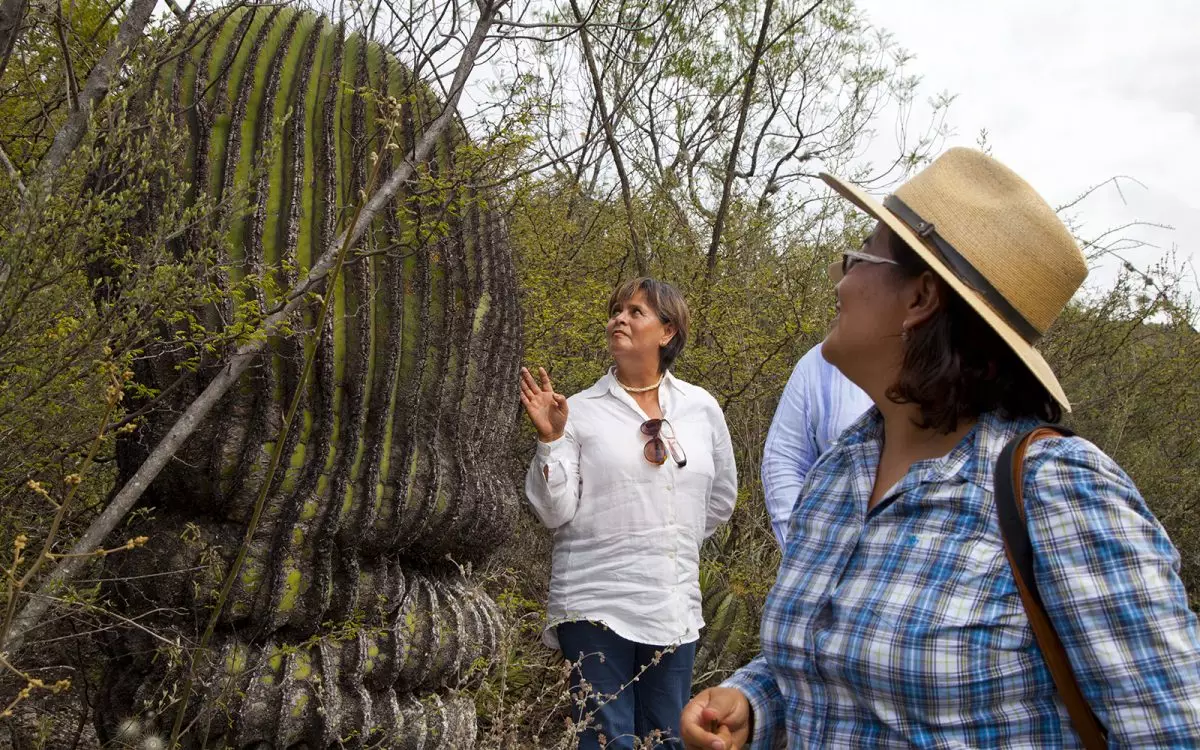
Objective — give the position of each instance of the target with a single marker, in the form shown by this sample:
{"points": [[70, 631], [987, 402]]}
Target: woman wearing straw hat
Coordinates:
{"points": [[632, 474], [896, 619]]}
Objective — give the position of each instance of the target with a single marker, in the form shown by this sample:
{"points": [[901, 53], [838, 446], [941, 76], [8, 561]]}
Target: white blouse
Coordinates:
{"points": [[627, 532]]}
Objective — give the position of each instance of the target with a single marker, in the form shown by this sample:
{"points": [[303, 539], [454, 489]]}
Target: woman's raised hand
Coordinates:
{"points": [[546, 409]]}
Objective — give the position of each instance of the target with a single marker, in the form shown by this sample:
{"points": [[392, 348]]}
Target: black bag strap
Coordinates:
{"points": [[1010, 507]]}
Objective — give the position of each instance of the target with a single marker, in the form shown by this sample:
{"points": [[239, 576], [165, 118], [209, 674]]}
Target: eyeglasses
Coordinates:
{"points": [[662, 440], [851, 258]]}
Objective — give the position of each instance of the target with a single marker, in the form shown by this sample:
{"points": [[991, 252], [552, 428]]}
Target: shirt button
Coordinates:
{"points": [[670, 487]]}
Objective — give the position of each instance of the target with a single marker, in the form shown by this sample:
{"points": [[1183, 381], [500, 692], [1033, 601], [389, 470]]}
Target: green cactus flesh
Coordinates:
{"points": [[395, 457], [730, 636]]}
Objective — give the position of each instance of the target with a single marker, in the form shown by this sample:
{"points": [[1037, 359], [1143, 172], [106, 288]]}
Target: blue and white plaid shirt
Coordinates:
{"points": [[903, 626]]}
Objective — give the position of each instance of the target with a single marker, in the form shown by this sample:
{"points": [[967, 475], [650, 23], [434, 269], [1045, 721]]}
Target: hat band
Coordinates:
{"points": [[963, 269]]}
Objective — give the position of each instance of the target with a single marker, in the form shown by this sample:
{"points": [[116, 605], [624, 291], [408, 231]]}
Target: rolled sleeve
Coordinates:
{"points": [[552, 482], [756, 682], [1109, 578]]}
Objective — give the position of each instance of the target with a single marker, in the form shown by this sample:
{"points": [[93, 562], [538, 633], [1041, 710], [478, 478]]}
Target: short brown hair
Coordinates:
{"points": [[668, 302], [957, 368]]}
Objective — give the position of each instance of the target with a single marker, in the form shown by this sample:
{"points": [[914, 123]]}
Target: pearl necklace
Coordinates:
{"points": [[643, 389]]}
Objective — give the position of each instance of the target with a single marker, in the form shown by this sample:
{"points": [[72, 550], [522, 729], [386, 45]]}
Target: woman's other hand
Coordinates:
{"points": [[546, 409], [716, 719]]}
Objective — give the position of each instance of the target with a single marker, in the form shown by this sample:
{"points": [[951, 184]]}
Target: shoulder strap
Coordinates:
{"points": [[1010, 505]]}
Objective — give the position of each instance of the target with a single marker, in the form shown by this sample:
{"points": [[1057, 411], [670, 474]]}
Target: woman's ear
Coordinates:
{"points": [[668, 334], [925, 299]]}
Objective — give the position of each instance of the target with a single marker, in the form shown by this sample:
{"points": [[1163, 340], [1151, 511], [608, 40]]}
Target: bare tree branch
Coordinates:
{"points": [[731, 163], [71, 134], [179, 12], [13, 174], [1115, 181], [639, 257], [72, 81]]}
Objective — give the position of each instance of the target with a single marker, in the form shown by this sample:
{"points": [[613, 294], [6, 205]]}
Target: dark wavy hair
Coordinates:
{"points": [[670, 305], [957, 368]]}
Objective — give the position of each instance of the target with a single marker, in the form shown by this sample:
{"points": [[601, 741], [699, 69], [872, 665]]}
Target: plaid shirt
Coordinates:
{"points": [[903, 626]]}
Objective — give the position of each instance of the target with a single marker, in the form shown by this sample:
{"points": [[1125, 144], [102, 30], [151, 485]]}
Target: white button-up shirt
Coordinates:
{"points": [[627, 532]]}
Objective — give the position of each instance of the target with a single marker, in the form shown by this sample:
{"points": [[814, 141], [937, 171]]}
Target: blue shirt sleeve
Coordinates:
{"points": [[756, 682], [1109, 578], [790, 449]]}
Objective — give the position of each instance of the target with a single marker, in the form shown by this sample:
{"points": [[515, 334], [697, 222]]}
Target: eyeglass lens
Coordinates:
{"points": [[656, 449]]}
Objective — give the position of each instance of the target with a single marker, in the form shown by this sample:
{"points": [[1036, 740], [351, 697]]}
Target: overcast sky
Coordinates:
{"points": [[1073, 93]]}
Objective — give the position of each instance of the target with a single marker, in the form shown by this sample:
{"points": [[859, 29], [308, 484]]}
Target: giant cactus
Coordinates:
{"points": [[730, 636], [346, 625]]}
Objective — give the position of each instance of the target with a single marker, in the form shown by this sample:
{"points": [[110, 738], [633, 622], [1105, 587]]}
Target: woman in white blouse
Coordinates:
{"points": [[632, 475]]}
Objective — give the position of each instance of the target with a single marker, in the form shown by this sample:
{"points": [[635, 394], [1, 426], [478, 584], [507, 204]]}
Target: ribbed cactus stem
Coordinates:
{"points": [[394, 459]]}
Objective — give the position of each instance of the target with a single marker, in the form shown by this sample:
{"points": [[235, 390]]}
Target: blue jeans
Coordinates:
{"points": [[622, 709]]}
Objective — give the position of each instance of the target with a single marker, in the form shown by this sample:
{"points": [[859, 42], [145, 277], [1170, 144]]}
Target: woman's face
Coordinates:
{"points": [[873, 302], [635, 332]]}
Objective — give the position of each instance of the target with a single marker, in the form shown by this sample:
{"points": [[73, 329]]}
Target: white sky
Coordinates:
{"points": [[1072, 93]]}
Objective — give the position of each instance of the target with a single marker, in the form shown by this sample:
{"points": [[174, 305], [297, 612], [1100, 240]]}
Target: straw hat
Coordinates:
{"points": [[993, 239]]}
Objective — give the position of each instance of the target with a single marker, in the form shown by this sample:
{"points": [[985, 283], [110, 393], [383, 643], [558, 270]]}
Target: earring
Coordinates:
{"points": [[904, 335]]}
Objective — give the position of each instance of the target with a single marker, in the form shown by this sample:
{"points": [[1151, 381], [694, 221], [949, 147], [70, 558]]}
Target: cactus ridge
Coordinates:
{"points": [[421, 654], [729, 638], [396, 456]]}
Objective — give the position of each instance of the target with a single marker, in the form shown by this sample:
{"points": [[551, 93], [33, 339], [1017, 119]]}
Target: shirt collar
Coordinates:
{"points": [[607, 384], [992, 432], [972, 460]]}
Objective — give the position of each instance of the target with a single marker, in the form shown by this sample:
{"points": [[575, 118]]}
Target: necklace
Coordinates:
{"points": [[643, 389]]}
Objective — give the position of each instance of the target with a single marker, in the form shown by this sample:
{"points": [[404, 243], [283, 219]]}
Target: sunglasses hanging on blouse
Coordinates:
{"points": [[662, 442]]}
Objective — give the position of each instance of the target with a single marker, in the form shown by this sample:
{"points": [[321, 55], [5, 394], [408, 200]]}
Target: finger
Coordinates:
{"points": [[695, 727], [725, 738], [546, 384], [705, 740], [714, 718], [530, 409], [560, 401], [717, 711], [690, 720], [526, 390], [527, 379], [531, 387]]}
